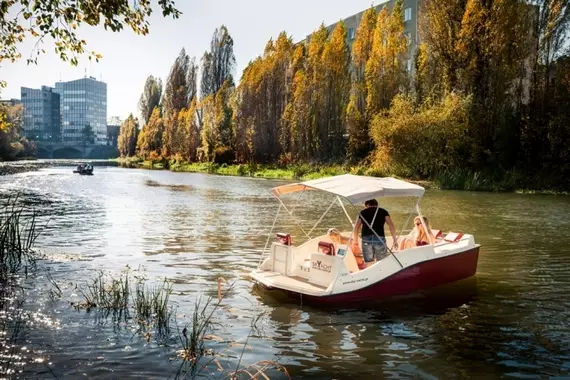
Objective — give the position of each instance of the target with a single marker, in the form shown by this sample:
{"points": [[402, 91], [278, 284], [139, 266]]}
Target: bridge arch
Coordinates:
{"points": [[43, 151], [67, 152]]}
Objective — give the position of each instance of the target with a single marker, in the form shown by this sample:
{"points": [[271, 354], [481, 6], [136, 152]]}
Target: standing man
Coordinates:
{"points": [[372, 220]]}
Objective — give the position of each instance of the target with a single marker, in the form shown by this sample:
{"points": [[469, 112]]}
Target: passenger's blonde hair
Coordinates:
{"points": [[334, 234], [425, 219], [426, 232]]}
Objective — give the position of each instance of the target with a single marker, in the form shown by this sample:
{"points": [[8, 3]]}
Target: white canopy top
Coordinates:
{"points": [[356, 189]]}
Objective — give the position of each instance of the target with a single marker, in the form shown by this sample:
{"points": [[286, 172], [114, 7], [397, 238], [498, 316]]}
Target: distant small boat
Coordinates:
{"points": [[84, 169]]}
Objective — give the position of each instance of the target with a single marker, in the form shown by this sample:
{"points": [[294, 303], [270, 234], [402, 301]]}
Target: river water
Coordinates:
{"points": [[511, 320]]}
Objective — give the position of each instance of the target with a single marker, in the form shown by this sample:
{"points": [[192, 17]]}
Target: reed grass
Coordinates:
{"points": [[151, 305], [197, 332], [107, 293], [128, 295], [18, 233]]}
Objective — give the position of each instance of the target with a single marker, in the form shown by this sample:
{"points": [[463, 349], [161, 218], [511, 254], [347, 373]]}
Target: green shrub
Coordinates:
{"points": [[421, 141]]}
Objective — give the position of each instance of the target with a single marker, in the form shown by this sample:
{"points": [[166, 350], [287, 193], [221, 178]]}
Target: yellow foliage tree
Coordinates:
{"points": [[150, 138], [359, 143]]}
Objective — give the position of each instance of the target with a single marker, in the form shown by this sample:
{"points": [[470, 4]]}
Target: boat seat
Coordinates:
{"points": [[326, 248], [284, 238], [453, 237], [437, 233]]}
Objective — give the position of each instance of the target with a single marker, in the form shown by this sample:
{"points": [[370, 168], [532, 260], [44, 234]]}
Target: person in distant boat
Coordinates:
{"points": [[371, 220], [419, 236]]}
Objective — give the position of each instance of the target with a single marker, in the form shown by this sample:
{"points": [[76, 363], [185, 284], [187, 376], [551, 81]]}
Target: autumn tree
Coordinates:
{"points": [[357, 121], [150, 137], [335, 89], [179, 92], [376, 68], [13, 145], [188, 123], [259, 103], [217, 64], [440, 25], [296, 114], [385, 70], [276, 87], [217, 131], [551, 22], [150, 98], [128, 135], [180, 87], [249, 131]]}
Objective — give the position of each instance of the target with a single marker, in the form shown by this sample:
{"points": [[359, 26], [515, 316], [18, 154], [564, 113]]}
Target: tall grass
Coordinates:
{"points": [[18, 232], [126, 296], [151, 305], [109, 295], [197, 332]]}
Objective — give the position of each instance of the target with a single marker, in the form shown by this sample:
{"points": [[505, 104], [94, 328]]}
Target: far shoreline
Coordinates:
{"points": [[300, 172]]}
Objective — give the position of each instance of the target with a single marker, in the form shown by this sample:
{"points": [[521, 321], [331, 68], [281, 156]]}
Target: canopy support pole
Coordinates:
{"points": [[321, 218], [345, 212], [406, 223], [292, 217], [270, 233]]}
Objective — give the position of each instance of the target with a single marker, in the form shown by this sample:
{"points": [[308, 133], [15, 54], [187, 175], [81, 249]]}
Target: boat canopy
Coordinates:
{"points": [[356, 189]]}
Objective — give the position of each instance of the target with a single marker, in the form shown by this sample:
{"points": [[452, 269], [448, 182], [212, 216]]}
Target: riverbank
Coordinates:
{"points": [[293, 172], [509, 182], [16, 167]]}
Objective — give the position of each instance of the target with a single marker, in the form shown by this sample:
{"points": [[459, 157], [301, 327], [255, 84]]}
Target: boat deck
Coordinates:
{"points": [[295, 284]]}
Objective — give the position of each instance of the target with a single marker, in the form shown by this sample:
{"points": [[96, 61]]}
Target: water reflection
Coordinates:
{"points": [[512, 319]]}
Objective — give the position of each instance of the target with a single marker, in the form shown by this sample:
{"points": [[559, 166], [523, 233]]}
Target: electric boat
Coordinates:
{"points": [[323, 271]]}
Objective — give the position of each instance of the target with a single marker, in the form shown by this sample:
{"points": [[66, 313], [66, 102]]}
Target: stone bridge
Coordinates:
{"points": [[47, 149]]}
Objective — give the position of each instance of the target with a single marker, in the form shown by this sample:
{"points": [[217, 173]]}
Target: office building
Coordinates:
{"points": [[42, 120], [83, 102]]}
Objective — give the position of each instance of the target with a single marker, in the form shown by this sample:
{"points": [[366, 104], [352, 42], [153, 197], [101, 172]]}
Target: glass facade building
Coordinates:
{"points": [[42, 119], [83, 102]]}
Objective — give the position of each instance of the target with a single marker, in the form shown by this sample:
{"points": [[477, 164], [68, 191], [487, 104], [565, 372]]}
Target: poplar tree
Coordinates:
{"points": [[180, 89], [336, 61], [150, 98], [357, 121], [128, 135], [218, 64], [150, 137]]}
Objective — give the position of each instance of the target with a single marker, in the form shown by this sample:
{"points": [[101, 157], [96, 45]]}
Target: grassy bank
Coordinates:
{"points": [[295, 171], [453, 179]]}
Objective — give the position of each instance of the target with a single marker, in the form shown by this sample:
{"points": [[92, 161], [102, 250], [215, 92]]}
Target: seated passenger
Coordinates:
{"points": [[337, 238], [418, 236]]}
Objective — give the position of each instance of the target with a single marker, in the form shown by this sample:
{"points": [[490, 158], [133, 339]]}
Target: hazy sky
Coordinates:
{"points": [[128, 59]]}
